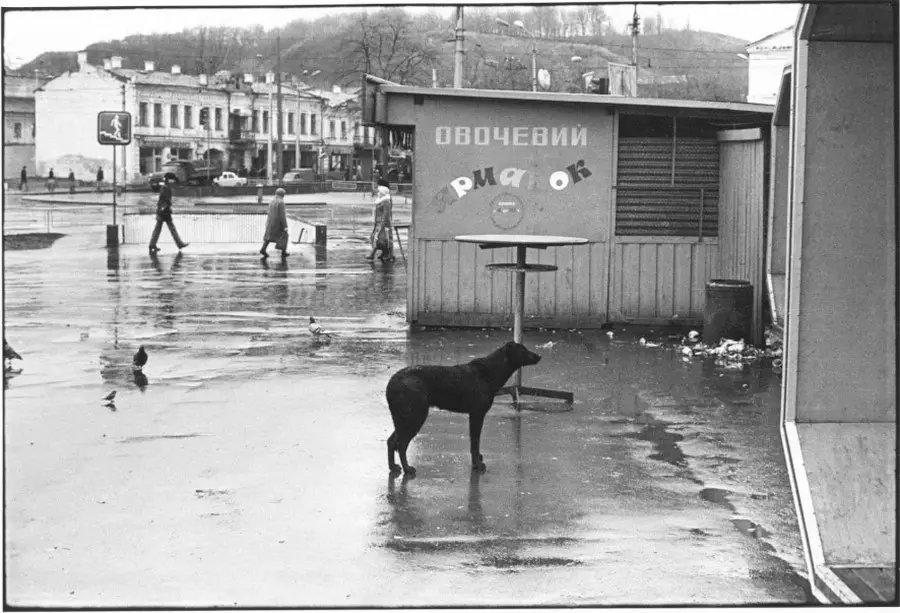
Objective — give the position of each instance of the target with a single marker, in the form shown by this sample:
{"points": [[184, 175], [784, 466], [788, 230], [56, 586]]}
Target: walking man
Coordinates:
{"points": [[51, 181], [99, 177], [23, 179], [164, 215], [71, 181]]}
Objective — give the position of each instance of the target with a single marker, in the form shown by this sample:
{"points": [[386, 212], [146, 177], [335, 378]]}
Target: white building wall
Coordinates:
{"points": [[765, 70], [66, 114]]}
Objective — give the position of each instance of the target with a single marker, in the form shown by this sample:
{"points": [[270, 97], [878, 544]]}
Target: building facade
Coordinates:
{"points": [[767, 58], [166, 112], [18, 124], [347, 142]]}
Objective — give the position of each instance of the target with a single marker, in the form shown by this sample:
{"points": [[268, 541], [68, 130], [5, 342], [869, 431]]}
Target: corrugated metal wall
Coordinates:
{"points": [[659, 196], [741, 217], [453, 287]]}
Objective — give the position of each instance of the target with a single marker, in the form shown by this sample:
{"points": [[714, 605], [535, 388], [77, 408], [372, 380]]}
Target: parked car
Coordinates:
{"points": [[229, 179], [299, 175]]}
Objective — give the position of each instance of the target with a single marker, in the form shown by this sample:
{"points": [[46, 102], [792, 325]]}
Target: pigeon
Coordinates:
{"points": [[110, 396], [316, 329], [140, 358], [9, 353]]}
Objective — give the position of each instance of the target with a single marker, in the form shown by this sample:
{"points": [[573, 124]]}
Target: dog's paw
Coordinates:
{"points": [[395, 470], [409, 471]]}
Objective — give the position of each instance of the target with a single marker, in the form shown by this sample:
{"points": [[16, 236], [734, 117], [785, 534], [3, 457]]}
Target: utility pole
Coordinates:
{"points": [[278, 96], [458, 58], [635, 28]]}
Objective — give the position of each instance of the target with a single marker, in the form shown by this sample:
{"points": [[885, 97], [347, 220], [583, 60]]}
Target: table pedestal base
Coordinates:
{"points": [[516, 391]]}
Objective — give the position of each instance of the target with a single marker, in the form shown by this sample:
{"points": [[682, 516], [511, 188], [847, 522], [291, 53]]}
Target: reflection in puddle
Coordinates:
{"points": [[664, 442]]}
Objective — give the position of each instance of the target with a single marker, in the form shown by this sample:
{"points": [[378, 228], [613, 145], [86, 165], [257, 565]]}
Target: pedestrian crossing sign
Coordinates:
{"points": [[113, 128]]}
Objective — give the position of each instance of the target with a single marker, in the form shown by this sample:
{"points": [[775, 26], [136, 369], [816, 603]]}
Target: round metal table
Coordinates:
{"points": [[522, 242]]}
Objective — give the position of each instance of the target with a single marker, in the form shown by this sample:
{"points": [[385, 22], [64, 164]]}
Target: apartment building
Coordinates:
{"points": [[19, 124], [166, 114]]}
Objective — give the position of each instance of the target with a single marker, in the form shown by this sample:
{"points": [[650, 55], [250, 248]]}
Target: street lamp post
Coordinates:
{"points": [[519, 24]]}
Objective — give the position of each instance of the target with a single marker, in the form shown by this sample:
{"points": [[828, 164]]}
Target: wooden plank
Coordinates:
{"points": [[601, 291], [422, 254], [432, 276], [467, 275], [698, 279], [450, 277], [631, 280], [647, 306], [484, 286], [502, 283], [565, 290], [581, 280], [681, 278], [547, 284], [739, 135], [665, 275]]}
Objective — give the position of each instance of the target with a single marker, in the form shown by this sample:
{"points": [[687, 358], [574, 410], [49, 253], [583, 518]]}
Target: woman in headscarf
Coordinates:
{"points": [[276, 226], [381, 238]]}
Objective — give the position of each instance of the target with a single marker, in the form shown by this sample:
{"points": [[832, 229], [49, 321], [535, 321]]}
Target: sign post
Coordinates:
{"points": [[113, 128]]}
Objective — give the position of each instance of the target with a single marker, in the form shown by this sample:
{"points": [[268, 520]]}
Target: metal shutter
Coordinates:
{"points": [[647, 201]]}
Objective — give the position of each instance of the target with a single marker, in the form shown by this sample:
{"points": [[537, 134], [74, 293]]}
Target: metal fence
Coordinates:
{"points": [[212, 227]]}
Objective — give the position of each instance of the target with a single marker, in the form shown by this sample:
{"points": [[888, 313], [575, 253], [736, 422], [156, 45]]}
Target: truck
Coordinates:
{"points": [[200, 172]]}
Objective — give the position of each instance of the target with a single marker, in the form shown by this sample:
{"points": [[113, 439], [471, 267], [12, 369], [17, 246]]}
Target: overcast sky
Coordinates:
{"points": [[28, 33]]}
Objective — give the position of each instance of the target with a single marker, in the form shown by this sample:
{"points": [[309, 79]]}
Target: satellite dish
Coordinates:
{"points": [[544, 78]]}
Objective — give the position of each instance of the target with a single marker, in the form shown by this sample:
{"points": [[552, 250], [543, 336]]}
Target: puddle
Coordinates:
{"points": [[664, 442], [717, 496], [514, 561], [154, 437], [745, 526]]}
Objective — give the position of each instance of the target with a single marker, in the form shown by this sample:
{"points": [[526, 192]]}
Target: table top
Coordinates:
{"points": [[527, 240]]}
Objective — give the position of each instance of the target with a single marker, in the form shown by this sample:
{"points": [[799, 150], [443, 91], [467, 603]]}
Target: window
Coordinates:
{"points": [[343, 130], [218, 118], [142, 115], [17, 130], [188, 117], [157, 115], [302, 123], [331, 132], [312, 124], [290, 123], [182, 153], [150, 160], [255, 127], [173, 116], [265, 122]]}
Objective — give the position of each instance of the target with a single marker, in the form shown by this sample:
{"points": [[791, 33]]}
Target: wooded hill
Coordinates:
{"points": [[392, 44]]}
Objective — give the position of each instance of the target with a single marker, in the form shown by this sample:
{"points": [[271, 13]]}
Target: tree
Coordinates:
{"points": [[387, 45]]}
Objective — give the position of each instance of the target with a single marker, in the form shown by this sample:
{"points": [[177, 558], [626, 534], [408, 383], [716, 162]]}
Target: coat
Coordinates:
{"points": [[164, 204], [276, 222]]}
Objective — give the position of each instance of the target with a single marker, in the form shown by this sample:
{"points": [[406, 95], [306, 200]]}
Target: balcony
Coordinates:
{"points": [[238, 136]]}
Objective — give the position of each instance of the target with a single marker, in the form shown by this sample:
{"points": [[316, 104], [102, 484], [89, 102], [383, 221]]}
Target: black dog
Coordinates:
{"points": [[464, 388]]}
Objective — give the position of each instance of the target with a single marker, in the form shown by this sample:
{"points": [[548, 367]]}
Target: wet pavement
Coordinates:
{"points": [[248, 466]]}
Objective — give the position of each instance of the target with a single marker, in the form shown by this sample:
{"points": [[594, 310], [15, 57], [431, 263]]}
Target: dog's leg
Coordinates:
{"points": [[476, 421], [391, 448], [402, 444]]}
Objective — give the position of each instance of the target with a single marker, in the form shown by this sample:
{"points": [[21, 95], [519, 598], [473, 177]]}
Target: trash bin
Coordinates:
{"points": [[728, 312], [259, 193]]}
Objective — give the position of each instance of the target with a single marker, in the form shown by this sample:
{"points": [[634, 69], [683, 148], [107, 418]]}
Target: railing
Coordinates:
{"points": [[241, 135]]}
